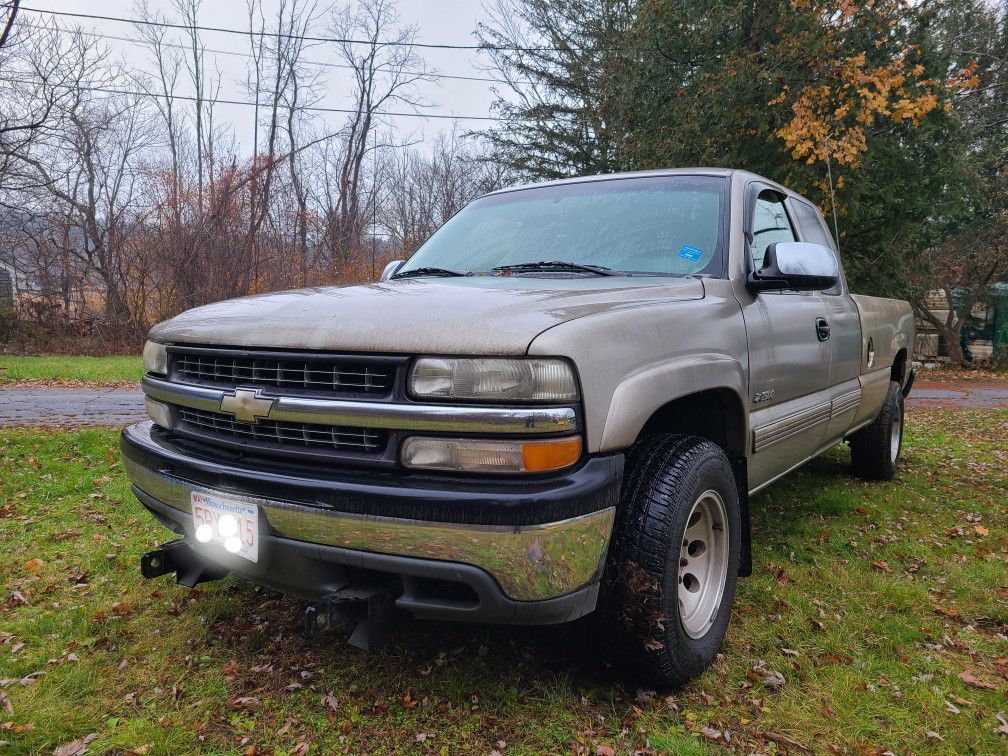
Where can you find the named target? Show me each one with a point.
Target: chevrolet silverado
(563, 402)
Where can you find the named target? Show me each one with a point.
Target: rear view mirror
(799, 266)
(391, 269)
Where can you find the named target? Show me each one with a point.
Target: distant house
(8, 289)
(985, 333)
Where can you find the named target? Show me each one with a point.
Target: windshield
(666, 225)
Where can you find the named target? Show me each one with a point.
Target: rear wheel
(875, 449)
(676, 557)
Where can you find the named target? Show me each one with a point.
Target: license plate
(230, 523)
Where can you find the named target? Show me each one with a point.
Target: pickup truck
(562, 402)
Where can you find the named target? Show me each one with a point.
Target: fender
(641, 394)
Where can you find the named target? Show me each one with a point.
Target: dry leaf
(75, 747)
(970, 679)
(34, 565)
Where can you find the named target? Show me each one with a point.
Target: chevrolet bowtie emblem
(246, 405)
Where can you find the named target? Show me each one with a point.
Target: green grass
(871, 655)
(70, 368)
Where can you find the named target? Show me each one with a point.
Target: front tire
(875, 449)
(676, 557)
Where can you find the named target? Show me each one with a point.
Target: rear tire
(875, 449)
(676, 557)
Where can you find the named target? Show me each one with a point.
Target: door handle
(822, 328)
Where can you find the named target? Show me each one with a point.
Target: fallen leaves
(34, 565)
(947, 612)
(970, 679)
(784, 740)
(75, 747)
(881, 566)
(1002, 718)
(762, 674)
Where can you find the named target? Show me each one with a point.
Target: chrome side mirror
(391, 269)
(799, 266)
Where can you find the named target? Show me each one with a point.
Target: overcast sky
(438, 21)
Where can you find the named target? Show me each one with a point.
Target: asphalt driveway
(33, 405)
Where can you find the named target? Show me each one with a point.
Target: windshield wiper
(554, 265)
(442, 272)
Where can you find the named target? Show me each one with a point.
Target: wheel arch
(899, 372)
(717, 414)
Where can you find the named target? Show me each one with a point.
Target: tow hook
(372, 611)
(179, 558)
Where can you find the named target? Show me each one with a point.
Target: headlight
(490, 456)
(155, 358)
(503, 380)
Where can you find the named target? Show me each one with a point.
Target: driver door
(789, 400)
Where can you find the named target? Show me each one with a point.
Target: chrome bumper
(530, 563)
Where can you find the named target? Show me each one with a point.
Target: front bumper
(526, 551)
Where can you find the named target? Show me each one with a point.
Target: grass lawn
(70, 368)
(883, 606)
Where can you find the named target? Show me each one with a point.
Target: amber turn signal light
(543, 456)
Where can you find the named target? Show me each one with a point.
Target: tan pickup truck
(562, 402)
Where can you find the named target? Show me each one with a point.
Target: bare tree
(386, 71)
(421, 192)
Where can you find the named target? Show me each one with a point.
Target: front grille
(282, 436)
(318, 375)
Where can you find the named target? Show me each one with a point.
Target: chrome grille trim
(379, 415)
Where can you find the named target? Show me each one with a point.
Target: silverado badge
(246, 405)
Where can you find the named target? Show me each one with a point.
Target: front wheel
(676, 557)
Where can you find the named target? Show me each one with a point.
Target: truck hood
(472, 315)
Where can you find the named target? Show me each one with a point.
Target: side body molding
(642, 393)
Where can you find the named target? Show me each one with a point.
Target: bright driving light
(155, 358)
(502, 380)
(204, 533)
(233, 544)
(491, 456)
(227, 526)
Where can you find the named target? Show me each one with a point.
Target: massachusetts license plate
(230, 523)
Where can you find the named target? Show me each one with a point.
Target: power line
(306, 38)
(321, 63)
(12, 11)
(209, 100)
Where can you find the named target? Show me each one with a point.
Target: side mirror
(391, 269)
(799, 266)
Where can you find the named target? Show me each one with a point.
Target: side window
(810, 221)
(770, 225)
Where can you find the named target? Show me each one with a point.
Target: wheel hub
(703, 564)
(896, 437)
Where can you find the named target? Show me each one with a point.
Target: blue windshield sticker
(690, 253)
